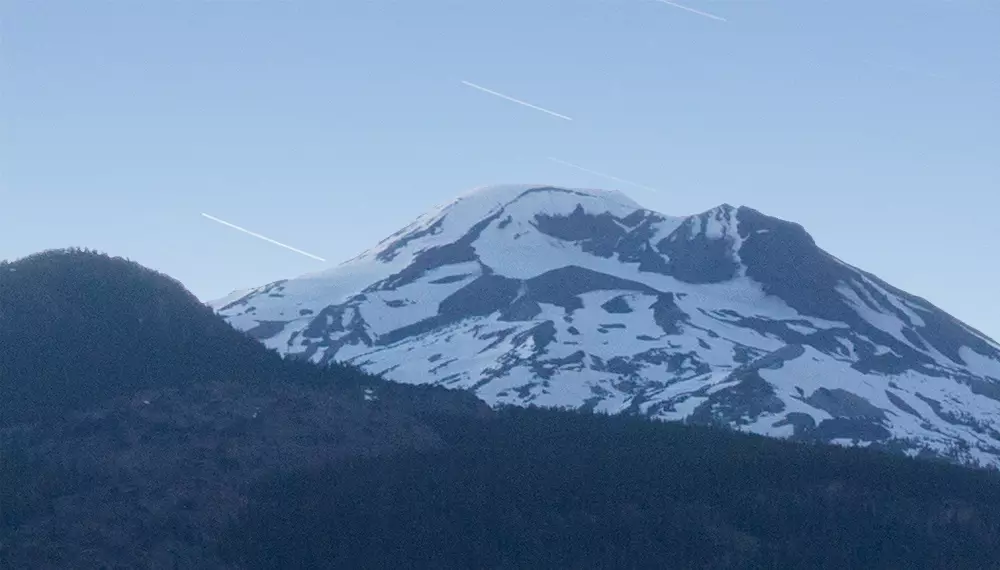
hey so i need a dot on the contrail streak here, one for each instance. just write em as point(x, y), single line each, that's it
point(601, 174)
point(246, 231)
point(699, 12)
point(501, 95)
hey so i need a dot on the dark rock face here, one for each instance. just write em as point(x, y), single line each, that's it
point(389, 253)
point(542, 334)
point(459, 251)
point(697, 258)
point(522, 309)
point(545, 368)
point(322, 331)
point(740, 404)
point(606, 236)
point(838, 402)
point(886, 363)
point(700, 260)
point(562, 287)
point(486, 295)
point(942, 331)
point(328, 320)
point(667, 314)
point(618, 305)
point(852, 429)
point(450, 279)
point(801, 423)
point(267, 329)
point(637, 246)
point(901, 404)
point(785, 260)
point(596, 234)
point(777, 358)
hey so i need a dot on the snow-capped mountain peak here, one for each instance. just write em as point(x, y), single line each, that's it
point(484, 203)
point(582, 298)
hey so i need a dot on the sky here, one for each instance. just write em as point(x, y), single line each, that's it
point(328, 125)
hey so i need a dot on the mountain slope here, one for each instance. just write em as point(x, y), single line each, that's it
point(180, 443)
point(132, 418)
point(583, 299)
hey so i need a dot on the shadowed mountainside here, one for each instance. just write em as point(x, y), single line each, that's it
point(141, 431)
point(132, 418)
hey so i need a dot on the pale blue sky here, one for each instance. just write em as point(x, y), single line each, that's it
point(328, 125)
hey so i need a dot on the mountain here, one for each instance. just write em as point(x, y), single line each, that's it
point(583, 299)
point(141, 431)
point(132, 418)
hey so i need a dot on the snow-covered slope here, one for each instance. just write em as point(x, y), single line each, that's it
point(583, 299)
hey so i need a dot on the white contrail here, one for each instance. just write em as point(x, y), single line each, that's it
point(699, 12)
point(234, 226)
point(608, 176)
point(516, 100)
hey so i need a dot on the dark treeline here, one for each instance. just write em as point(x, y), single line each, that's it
point(520, 488)
point(79, 327)
point(548, 489)
point(129, 416)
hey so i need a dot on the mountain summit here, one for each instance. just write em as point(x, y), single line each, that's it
point(584, 299)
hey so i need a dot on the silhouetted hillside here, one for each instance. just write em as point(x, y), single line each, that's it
point(78, 327)
point(131, 416)
point(138, 430)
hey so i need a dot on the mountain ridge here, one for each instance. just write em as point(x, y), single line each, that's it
point(584, 299)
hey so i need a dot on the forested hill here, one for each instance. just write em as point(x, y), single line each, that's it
point(139, 430)
point(131, 416)
point(78, 327)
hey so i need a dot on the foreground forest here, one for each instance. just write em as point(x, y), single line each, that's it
point(138, 430)
point(537, 488)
